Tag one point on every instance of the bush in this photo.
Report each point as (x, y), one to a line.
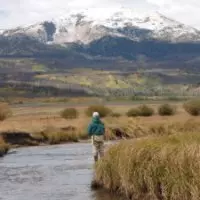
(166, 110)
(145, 111)
(5, 112)
(192, 107)
(102, 110)
(133, 112)
(115, 114)
(69, 113)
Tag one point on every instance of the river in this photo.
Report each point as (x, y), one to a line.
(62, 172)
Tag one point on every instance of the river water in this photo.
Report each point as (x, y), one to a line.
(62, 172)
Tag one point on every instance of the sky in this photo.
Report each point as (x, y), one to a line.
(15, 13)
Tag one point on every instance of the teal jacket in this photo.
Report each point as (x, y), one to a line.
(96, 127)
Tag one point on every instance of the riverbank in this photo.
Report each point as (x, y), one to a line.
(116, 129)
(37, 125)
(162, 168)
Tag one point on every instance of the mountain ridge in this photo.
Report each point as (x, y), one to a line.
(120, 34)
(83, 28)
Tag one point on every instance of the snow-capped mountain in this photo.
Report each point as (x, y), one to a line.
(103, 35)
(87, 26)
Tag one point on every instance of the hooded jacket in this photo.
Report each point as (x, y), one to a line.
(96, 127)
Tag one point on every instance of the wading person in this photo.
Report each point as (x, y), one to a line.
(97, 130)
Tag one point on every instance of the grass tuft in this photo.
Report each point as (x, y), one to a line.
(167, 168)
(58, 136)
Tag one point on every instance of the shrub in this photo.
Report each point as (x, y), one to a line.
(133, 112)
(145, 111)
(5, 112)
(69, 113)
(166, 110)
(102, 110)
(192, 107)
(115, 114)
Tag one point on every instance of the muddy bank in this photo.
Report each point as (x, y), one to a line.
(53, 136)
(20, 139)
(12, 140)
(45, 137)
(49, 137)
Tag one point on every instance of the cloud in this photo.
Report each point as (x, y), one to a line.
(21, 12)
(181, 10)
(24, 12)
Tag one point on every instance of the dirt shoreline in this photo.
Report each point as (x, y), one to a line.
(23, 140)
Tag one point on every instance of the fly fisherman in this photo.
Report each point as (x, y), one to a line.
(96, 130)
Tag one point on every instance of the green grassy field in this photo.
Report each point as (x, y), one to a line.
(24, 74)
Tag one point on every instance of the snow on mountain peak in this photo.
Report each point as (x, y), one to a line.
(85, 26)
(119, 18)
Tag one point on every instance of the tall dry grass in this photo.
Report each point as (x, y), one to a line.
(137, 128)
(52, 135)
(163, 168)
(35, 120)
(117, 128)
